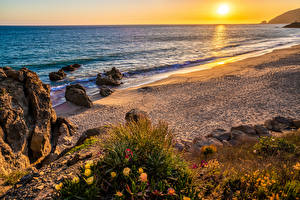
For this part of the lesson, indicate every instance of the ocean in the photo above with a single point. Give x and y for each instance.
(139, 52)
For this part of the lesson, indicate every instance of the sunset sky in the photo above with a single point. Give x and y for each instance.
(98, 12)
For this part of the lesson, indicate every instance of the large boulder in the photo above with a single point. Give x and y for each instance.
(278, 124)
(56, 76)
(77, 95)
(26, 117)
(135, 115)
(105, 91)
(114, 73)
(245, 128)
(107, 80)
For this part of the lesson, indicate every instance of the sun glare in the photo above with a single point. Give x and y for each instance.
(223, 9)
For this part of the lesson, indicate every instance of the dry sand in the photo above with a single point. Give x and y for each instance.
(244, 92)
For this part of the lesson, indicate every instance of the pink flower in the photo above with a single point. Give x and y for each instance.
(194, 166)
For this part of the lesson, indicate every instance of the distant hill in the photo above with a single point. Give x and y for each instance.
(287, 18)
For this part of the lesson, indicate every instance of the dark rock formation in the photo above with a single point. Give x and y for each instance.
(293, 25)
(278, 124)
(56, 76)
(105, 91)
(135, 115)
(77, 95)
(107, 80)
(245, 128)
(70, 68)
(26, 116)
(115, 74)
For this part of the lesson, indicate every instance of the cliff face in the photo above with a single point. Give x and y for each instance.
(287, 18)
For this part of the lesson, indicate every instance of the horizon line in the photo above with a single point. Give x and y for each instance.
(128, 24)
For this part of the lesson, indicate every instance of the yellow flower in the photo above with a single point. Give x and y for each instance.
(143, 177)
(75, 179)
(58, 186)
(141, 170)
(126, 171)
(87, 172)
(119, 194)
(89, 164)
(113, 174)
(186, 198)
(297, 166)
(171, 191)
(90, 180)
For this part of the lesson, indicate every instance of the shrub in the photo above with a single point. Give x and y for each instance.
(139, 163)
(272, 145)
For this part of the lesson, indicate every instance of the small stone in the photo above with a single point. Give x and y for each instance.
(105, 91)
(135, 115)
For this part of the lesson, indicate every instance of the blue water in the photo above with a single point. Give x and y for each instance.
(138, 51)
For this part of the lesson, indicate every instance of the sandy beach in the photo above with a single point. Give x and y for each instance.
(243, 92)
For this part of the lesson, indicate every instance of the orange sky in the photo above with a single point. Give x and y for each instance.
(92, 12)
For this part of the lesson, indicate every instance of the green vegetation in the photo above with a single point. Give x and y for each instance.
(140, 163)
(13, 177)
(268, 169)
(87, 143)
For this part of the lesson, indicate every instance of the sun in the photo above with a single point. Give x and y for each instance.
(223, 9)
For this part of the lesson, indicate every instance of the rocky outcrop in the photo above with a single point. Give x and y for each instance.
(111, 78)
(135, 115)
(293, 25)
(107, 80)
(105, 91)
(77, 95)
(56, 76)
(242, 134)
(114, 73)
(70, 68)
(26, 119)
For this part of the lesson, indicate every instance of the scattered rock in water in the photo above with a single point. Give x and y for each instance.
(77, 95)
(105, 91)
(70, 68)
(245, 128)
(107, 80)
(56, 76)
(114, 73)
(135, 115)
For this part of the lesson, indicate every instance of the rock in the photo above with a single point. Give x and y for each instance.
(261, 130)
(26, 117)
(293, 25)
(107, 80)
(115, 74)
(296, 123)
(70, 68)
(74, 160)
(2, 74)
(135, 115)
(56, 76)
(201, 141)
(77, 95)
(14, 74)
(220, 134)
(245, 128)
(239, 137)
(105, 91)
(90, 133)
(278, 124)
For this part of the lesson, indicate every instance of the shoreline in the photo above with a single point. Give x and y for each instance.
(175, 99)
